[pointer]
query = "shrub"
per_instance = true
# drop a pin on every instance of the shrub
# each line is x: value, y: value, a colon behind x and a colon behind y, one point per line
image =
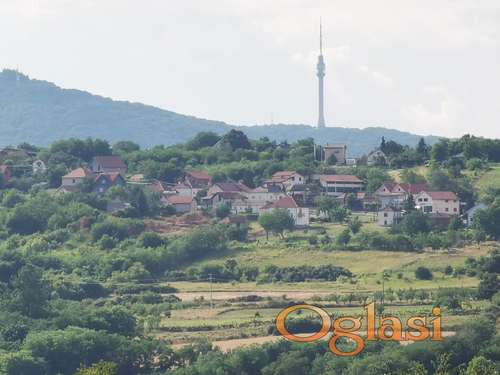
x: 423, y: 273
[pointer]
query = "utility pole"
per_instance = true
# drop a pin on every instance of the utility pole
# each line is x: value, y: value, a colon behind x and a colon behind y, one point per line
x: 211, y: 291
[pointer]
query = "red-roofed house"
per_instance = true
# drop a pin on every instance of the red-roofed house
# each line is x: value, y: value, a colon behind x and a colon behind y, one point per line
x: 338, y: 184
x: 300, y: 214
x: 109, y: 163
x: 198, y: 179
x: 438, y: 202
x: 182, y: 204
x: 394, y: 194
x: 286, y: 179
x: 74, y: 178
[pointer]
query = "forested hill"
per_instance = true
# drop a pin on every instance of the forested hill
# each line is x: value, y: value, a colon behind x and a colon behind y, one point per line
x: 40, y: 112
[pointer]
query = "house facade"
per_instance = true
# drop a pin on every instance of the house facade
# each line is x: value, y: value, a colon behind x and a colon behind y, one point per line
x: 389, y: 216
x: 339, y: 184
x: 301, y: 216
x: 285, y: 179
x: 104, y: 181
x: 74, y: 178
x: 394, y: 194
x: 438, y: 202
x: 182, y: 204
x: 337, y: 150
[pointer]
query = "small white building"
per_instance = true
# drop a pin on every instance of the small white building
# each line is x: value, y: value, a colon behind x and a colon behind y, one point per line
x: 261, y: 196
x: 438, y: 202
x: 389, y: 216
x: 471, y: 212
x: 72, y: 180
x: 300, y: 214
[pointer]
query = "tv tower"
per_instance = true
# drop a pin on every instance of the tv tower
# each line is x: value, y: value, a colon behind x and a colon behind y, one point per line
x: 320, y: 72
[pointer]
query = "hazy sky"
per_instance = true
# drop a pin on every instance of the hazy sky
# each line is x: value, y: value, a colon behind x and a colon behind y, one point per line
x: 426, y: 66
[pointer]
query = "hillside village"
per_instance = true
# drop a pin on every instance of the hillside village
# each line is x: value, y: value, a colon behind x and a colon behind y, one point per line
x: 288, y: 190
x: 115, y: 249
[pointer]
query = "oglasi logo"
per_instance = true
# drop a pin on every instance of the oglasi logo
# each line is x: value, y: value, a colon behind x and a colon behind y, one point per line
x: 388, y: 328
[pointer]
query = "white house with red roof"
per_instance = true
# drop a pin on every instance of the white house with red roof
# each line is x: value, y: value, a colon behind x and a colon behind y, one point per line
x: 286, y: 179
x: 394, y: 194
x: 182, y: 204
x: 74, y: 178
x: 300, y: 214
x: 438, y: 202
x: 339, y: 184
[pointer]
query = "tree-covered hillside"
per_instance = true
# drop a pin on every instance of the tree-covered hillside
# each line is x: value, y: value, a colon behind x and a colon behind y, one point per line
x: 40, y: 112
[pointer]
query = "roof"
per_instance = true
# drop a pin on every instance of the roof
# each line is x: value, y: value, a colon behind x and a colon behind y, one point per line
x: 285, y: 202
x: 79, y: 173
x: 199, y: 175
x: 110, y: 161
x: 442, y: 195
x: 414, y: 188
x: 336, y: 145
x: 284, y: 174
x: 180, y: 199
x: 340, y: 178
x: 111, y: 176
x: 233, y: 187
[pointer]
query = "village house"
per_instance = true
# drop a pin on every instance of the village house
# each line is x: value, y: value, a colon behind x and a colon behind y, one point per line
x: 261, y: 196
x: 337, y: 150
x: 285, y: 179
x: 306, y: 194
x: 6, y: 173
x: 107, y: 164
x: 72, y: 180
x: 104, y: 181
x: 394, y: 194
x: 198, y: 179
x: 339, y: 184
x: 192, y: 183
x: 182, y: 204
x: 389, y: 216
x: 471, y: 213
x: 300, y: 214
x: 438, y: 202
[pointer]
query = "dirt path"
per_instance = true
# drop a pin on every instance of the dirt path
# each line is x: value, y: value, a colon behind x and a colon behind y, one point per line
x: 218, y: 296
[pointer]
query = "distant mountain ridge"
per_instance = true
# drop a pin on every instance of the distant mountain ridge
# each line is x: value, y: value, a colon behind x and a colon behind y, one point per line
x: 40, y: 112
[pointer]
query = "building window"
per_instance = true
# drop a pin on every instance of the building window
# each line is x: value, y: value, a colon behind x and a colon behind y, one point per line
x: 446, y: 209
x: 385, y: 214
x: 455, y: 209
x: 426, y: 199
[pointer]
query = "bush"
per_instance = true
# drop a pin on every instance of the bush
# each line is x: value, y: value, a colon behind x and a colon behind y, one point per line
x: 151, y: 239
x: 423, y: 273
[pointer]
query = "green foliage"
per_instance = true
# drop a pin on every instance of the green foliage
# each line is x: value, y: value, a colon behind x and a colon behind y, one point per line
x: 414, y: 222
x: 100, y: 368
x: 31, y: 292
x: 423, y: 273
x: 222, y: 211
x: 276, y: 221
